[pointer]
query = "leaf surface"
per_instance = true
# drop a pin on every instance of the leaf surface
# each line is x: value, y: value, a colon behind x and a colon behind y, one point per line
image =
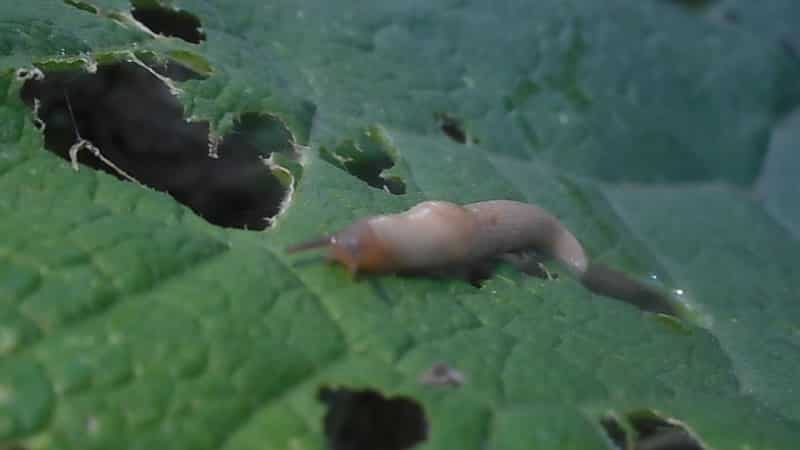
x: 126, y: 321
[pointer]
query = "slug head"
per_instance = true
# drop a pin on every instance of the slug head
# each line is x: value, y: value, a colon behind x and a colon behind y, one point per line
x: 359, y: 249
x: 355, y: 247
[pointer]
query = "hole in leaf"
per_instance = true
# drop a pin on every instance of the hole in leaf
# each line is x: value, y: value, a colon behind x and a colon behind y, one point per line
x: 367, y: 157
x: 366, y: 420
x: 453, y: 127
x: 264, y: 132
x: 168, y: 21
x: 125, y: 121
x: 646, y: 430
x: 24, y: 74
x: 83, y: 6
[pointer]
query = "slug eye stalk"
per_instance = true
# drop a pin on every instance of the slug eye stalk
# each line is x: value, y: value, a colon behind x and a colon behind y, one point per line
x: 336, y: 251
x: 312, y: 244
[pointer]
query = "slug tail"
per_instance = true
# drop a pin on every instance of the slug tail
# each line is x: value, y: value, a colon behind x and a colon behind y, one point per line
x: 606, y: 281
x: 319, y: 242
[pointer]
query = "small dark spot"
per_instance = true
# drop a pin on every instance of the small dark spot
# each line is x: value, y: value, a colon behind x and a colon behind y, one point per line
x: 731, y: 17
x: 645, y: 430
x: 83, y: 6
x: 367, y: 157
x: 790, y: 46
x: 132, y: 121
x: 366, y: 420
x: 168, y: 21
x: 452, y: 127
x: 442, y: 374
x: 694, y: 5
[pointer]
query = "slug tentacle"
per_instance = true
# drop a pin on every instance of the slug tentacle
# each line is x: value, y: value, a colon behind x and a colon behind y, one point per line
x: 311, y: 244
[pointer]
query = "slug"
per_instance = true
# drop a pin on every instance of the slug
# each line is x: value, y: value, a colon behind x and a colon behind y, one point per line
x: 438, y: 237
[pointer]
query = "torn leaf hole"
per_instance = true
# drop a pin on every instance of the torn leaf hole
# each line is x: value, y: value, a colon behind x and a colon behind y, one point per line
x: 24, y: 74
x: 264, y: 132
x: 83, y: 6
x: 124, y: 120
x: 367, y: 157
x: 167, y: 21
x: 366, y: 420
x: 647, y: 430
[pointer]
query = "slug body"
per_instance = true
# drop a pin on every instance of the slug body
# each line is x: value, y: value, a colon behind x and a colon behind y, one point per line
x: 437, y: 237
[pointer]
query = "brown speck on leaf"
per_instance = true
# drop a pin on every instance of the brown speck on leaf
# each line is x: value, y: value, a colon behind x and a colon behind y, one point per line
x: 441, y: 374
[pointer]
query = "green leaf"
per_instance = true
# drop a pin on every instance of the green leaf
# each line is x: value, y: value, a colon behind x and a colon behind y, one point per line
x: 127, y: 321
